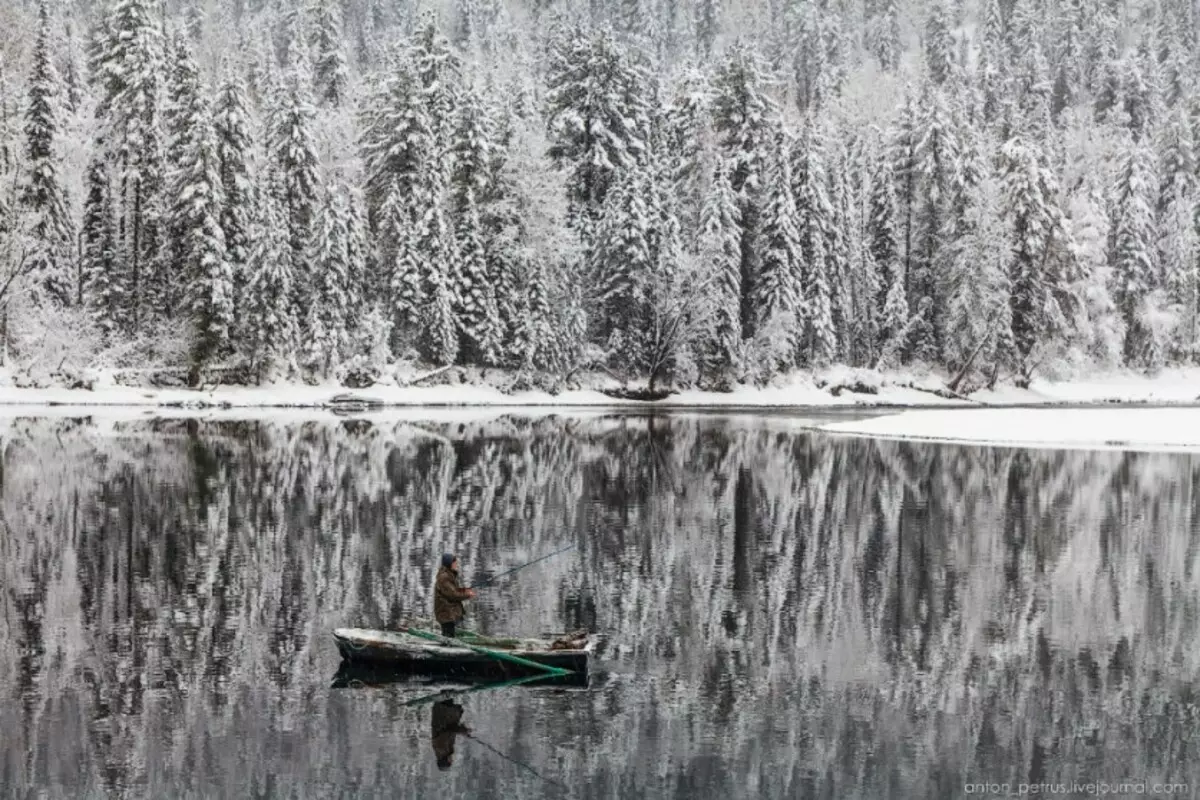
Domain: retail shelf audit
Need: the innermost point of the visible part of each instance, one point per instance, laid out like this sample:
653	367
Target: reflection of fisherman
446	718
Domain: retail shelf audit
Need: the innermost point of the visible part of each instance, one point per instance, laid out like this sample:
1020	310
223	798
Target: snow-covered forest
784	614
693	192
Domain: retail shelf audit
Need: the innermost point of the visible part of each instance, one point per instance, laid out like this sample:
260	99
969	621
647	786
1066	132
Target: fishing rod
495	578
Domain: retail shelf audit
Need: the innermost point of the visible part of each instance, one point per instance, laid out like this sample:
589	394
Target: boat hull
407	655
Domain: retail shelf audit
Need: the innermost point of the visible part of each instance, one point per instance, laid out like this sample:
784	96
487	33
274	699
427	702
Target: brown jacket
448	596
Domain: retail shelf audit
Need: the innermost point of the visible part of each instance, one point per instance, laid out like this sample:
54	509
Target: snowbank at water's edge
1146	429
833	387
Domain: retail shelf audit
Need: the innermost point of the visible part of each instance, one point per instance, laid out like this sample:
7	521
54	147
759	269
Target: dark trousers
448	629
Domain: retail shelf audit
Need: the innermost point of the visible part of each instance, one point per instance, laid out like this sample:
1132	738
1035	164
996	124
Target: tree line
685	191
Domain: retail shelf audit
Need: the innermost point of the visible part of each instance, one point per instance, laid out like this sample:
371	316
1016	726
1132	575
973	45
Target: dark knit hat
447	559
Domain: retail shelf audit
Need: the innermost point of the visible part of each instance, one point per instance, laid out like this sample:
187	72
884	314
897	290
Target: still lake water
785	614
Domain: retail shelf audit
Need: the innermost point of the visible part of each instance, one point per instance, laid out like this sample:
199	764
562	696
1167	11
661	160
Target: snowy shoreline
800	391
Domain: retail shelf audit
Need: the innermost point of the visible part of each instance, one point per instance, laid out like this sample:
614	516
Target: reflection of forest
784	612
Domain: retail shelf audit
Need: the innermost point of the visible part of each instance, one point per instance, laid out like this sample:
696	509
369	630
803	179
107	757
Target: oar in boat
445	693
496	654
495	578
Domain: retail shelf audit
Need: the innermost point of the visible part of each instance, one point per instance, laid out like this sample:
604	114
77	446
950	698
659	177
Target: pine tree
73	78
811	187
327	341
977	289
939	46
742	113
234	153
686	123
270	319
293	156
196	217
42	197
399	141
167	288
481	330
472	148
708	25
438	342
882	33
936	160
720	250
622	260
128	64
1042	266
104	289
597	116
400	277
1133	256
885	254
329	67
778	295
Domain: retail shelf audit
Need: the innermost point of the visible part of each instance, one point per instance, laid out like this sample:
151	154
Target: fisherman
448	595
447	724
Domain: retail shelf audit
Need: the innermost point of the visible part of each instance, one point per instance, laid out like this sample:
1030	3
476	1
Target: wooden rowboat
403	653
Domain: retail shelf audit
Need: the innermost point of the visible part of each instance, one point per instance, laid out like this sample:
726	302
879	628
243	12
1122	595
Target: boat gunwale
414	645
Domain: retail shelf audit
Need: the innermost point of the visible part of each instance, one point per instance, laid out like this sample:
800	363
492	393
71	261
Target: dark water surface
785	614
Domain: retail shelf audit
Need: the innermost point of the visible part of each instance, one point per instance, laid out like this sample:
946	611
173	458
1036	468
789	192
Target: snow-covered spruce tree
128	68
892	300
326	340
1134	258
399	140
42	195
687	124
976	284
234	154
882	34
437	260
480	328
438	69
937	160
292	154
359	292
404	285
707	23
1178	230
621	262
810	183
742	115
72	69
904	147
596	106
103	281
781	268
270	324
1042	266
330	76
939	45
198	198
838	259
168	288
720	253
472	174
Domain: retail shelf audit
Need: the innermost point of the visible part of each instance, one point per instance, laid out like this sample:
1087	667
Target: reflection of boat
365	676
404	653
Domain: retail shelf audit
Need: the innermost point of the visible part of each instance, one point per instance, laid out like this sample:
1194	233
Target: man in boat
448	595
447	724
